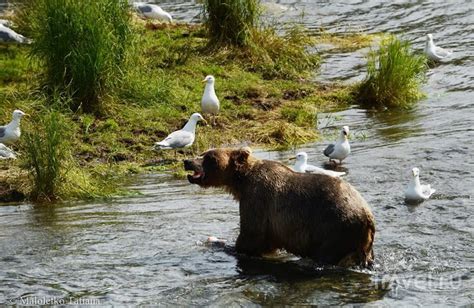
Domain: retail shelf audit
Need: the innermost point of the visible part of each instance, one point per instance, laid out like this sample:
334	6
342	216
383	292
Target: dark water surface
147	249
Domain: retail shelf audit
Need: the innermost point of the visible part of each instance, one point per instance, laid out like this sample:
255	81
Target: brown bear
309	215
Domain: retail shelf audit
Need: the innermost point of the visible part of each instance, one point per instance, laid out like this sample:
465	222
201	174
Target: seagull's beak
204	80
292	158
204	121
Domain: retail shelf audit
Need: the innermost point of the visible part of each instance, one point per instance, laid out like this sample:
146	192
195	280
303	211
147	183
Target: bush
46	153
394	75
229	22
82	45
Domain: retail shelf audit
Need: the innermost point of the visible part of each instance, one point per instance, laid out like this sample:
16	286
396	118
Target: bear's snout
198	175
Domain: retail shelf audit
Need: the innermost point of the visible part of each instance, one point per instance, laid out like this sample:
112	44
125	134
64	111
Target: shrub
81	45
229	22
394	75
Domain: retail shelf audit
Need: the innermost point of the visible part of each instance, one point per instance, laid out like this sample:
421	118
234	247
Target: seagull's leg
175	155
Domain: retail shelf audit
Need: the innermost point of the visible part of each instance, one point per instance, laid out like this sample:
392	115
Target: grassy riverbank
263	103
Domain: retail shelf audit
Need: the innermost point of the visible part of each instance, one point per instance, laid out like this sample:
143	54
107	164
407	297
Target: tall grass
394	75
230	22
282	56
82	46
46	154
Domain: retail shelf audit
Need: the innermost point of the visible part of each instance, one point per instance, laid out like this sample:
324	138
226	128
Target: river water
147	249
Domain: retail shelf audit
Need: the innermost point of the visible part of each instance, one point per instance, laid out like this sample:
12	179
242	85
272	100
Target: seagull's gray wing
179	139
2	131
329	150
6	36
144	8
442	52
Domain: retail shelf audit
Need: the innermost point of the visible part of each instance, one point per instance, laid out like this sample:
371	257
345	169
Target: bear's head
218	167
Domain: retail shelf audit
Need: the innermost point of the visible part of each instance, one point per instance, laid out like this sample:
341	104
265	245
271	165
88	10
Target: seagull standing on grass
11	132
301	165
209	101
434	52
341	149
182	138
152	11
6	152
416	192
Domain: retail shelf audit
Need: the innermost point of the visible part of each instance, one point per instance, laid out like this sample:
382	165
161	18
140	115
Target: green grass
230	22
161	87
394	76
80	45
46	154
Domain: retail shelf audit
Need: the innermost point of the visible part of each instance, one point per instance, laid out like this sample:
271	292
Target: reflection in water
394	125
301	283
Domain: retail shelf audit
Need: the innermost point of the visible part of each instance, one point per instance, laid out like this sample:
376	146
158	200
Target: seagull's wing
312	169
329	149
8	35
441	52
6	152
177	139
318	170
144	8
5	35
427	190
3	129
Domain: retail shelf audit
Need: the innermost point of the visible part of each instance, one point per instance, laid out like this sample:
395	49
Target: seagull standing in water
434	52
209	101
11	132
152	11
416	192
301	165
183	138
341	149
7	35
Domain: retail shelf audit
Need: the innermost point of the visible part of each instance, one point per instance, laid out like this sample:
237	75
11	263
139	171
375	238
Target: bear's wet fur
309	215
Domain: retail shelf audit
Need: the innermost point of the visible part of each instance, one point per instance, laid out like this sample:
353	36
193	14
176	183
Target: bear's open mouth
198	173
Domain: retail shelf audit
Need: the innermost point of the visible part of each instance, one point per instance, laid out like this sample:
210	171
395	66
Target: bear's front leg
253	239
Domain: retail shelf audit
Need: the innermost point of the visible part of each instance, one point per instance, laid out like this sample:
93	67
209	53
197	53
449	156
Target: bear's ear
240	157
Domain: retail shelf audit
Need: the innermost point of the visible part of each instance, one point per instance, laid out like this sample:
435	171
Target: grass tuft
230	22
394	76
81	46
46	154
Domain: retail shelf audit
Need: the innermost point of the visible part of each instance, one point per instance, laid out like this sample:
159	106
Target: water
148	249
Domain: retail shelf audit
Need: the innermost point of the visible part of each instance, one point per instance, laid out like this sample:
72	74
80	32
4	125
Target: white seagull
341	148
301	165
416	192
209	101
152	11
182	138
434	52
7	35
6	152
11	132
